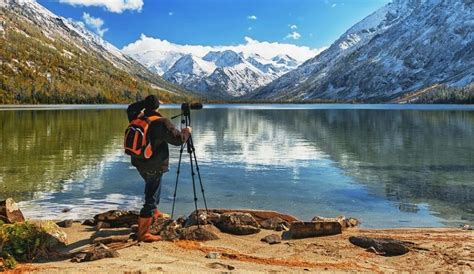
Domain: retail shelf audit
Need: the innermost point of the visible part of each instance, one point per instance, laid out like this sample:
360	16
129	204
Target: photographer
161	132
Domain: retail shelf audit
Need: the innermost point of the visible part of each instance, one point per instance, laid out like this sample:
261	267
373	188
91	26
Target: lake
388	165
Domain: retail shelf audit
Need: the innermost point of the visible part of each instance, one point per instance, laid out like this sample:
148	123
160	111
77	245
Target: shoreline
441	249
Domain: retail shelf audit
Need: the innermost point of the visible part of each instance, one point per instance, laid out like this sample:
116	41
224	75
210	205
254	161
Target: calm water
390	166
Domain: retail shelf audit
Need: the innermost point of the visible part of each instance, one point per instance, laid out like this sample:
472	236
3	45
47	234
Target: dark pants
152	191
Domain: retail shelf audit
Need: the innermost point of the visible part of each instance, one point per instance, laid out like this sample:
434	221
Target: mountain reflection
378	164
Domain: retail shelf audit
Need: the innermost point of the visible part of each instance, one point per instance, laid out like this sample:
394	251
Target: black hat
152	102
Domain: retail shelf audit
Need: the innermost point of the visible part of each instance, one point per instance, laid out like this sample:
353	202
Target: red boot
144	234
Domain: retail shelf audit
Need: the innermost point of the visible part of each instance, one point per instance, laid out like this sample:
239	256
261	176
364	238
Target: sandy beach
439	249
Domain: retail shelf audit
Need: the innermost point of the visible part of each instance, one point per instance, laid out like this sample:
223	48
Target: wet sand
440	249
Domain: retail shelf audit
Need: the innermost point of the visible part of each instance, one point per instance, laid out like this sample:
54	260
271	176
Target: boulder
10	212
199	233
118	218
299	230
238	223
54	235
382	246
345	222
274	223
272	239
89	222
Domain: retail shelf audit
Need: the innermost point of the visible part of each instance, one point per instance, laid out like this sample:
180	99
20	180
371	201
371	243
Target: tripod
186	120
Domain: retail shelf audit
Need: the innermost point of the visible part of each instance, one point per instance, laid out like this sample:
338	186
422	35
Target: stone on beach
199	233
95	252
345	222
272	239
274	223
65	223
299	230
238	223
118	218
53	235
10	212
382	246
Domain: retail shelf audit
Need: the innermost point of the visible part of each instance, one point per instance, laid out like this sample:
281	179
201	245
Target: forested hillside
41	66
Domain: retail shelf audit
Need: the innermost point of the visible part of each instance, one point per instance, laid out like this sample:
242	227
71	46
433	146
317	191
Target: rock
160	224
217	265
95	252
89	222
65	223
259	215
10	212
345	222
272	239
199	233
118	218
238	223
203	218
170	232
299	230
282	227
213	255
134	228
273	223
382	246
467	227
54	235
101	225
66	209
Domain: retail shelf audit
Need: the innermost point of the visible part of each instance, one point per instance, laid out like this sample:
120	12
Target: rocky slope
46	58
405	46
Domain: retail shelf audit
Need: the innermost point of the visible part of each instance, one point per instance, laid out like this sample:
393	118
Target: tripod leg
192	177
177	178
198	172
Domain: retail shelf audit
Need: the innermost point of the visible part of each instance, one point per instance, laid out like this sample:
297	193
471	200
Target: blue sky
312	23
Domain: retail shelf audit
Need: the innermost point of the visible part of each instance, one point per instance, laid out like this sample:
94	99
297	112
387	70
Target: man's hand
187	129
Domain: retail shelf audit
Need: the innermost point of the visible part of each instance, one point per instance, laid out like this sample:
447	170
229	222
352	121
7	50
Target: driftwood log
382	246
112	239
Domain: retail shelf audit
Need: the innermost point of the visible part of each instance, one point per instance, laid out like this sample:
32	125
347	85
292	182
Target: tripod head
186	111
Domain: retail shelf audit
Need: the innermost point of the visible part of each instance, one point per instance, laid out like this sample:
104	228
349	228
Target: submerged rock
238	223
10	212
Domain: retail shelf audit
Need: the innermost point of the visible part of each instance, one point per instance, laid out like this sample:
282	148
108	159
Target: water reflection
388	167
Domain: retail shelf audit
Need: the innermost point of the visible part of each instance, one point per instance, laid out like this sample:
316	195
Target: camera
186	107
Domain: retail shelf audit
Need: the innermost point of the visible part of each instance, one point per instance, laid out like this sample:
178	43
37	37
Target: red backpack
137	142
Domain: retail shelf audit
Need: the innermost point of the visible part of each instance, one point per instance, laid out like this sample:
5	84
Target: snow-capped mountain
404	46
72	44
219	71
223	73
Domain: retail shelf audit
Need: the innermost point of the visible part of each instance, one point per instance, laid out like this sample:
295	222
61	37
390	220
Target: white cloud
293	35
156	49
334	5
252	17
293	27
117	6
170	13
94	23
249	28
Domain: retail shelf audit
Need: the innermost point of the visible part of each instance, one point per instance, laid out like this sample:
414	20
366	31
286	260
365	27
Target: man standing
161	132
